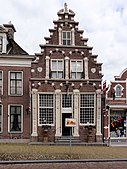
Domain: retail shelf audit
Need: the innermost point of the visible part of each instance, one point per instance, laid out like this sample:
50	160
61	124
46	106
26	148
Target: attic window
118	91
1	43
66	38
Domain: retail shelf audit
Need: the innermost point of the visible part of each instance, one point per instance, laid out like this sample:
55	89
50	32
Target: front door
65	130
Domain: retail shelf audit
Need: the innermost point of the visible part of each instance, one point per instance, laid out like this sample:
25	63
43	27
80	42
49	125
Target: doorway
65	130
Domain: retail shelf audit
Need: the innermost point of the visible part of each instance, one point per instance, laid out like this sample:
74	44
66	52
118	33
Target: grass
43	152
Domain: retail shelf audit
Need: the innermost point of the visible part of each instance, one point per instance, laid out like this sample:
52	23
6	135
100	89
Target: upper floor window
66	38
118	91
87	115
1	83
15	118
16	86
76	69
46	115
1	43
57	68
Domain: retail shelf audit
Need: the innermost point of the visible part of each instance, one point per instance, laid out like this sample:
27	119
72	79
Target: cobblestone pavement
86	165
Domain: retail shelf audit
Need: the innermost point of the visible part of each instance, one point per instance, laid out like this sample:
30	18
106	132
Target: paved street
86	165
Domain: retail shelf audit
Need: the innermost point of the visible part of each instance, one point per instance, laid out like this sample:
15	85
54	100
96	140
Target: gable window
66	38
76	69
1	43
46	115
16	83
57	69
118	91
1	118
87	109
1	82
15	118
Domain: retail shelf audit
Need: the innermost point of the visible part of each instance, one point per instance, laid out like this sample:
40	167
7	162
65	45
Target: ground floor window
46	114
15	118
1	118
118	124
87	109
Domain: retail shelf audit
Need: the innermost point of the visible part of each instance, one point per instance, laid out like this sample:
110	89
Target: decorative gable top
3	29
65	11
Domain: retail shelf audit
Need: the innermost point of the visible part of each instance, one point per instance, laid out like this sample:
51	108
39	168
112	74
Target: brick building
115	118
62	82
15	66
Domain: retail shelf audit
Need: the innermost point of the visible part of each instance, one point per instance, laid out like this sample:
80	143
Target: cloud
104	24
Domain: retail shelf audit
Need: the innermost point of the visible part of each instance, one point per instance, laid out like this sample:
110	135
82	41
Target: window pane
79	75
54	75
64	35
60	65
54	65
79	66
60	75
73	66
66	100
68	35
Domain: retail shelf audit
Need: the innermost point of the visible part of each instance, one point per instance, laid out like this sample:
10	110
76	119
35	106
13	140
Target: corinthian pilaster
98	128
34	112
76	112
58	113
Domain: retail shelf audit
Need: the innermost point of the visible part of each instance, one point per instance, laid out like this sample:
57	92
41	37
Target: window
66	100
46	109
1	118
1	82
57	69
76	69
118	91
15	118
16	83
87	109
1	43
66	38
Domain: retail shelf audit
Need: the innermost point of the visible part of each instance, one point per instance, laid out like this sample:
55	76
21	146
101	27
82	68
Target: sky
104	23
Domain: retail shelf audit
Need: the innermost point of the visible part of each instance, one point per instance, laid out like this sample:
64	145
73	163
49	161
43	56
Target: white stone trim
66	67
98	131
47	67
60	36
34	112
58	112
76	112
86	68
73	36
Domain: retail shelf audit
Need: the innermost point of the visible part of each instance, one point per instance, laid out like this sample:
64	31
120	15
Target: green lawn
43	152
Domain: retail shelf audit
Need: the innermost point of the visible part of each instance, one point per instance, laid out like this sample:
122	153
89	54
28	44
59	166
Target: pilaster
76	112
58	113
98	128
34	114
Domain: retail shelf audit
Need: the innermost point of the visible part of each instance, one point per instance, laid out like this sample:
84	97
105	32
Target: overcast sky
104	23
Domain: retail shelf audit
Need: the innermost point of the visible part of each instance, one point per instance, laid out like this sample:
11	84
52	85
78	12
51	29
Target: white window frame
88	123
1	92
4	42
66	39
9	89
56	70
45	123
71	71
9	115
1	118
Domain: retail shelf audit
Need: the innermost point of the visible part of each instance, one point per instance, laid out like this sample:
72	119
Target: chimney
11	29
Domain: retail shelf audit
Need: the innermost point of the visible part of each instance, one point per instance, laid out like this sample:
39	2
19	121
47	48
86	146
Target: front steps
64	140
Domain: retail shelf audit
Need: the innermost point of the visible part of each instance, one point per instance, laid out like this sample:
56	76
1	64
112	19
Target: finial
9	23
65	7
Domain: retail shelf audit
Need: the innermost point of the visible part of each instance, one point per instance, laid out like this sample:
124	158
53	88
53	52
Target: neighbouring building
15	72
115	116
40	93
